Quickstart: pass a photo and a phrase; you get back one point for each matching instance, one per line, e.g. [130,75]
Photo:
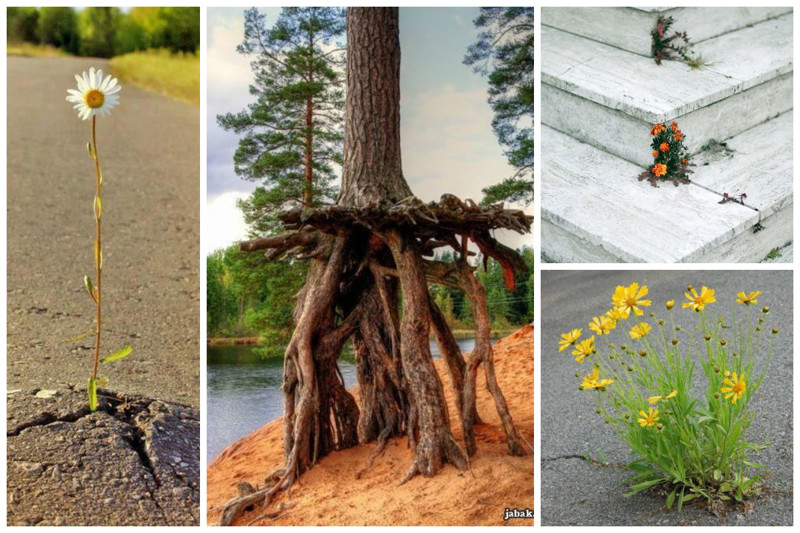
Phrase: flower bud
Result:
[670,304]
[707,336]
[716,395]
[627,416]
[660,322]
[723,342]
[652,315]
[630,368]
[598,411]
[677,328]
[765,310]
[674,342]
[774,331]
[642,353]
[659,426]
[758,329]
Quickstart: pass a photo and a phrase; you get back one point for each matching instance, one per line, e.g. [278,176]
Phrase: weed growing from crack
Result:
[95,96]
[695,446]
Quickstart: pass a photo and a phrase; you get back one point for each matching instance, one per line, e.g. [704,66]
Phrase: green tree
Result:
[22,24]
[291,136]
[504,52]
[58,26]
[182,32]
[97,28]
[130,36]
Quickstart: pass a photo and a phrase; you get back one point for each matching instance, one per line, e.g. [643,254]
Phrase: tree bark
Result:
[372,170]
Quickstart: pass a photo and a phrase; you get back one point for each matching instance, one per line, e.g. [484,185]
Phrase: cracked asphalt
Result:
[575,491]
[134,461]
[150,151]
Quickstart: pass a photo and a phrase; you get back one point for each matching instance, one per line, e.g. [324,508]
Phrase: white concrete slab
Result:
[629,137]
[760,165]
[636,86]
[629,28]
[596,197]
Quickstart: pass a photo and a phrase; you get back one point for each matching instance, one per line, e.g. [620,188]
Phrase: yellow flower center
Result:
[738,388]
[630,302]
[94,99]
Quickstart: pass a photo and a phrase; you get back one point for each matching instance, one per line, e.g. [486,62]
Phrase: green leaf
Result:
[671,498]
[725,487]
[641,486]
[92,389]
[119,354]
[753,465]
[76,338]
[717,474]
[90,287]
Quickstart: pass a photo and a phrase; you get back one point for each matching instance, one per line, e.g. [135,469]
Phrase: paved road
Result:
[577,492]
[149,149]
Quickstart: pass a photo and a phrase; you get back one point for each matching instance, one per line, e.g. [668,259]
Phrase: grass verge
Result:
[176,75]
[33,50]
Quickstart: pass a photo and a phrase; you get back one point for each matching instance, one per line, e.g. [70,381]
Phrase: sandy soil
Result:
[329,494]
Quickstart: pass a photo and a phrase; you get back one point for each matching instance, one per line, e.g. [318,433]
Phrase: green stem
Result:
[98,249]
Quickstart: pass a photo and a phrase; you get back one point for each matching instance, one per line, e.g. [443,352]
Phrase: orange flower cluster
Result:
[659,169]
[669,152]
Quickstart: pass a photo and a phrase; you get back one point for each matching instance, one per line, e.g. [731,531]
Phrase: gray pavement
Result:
[133,462]
[575,491]
[149,148]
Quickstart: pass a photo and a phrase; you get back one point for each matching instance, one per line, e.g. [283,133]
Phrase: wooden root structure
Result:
[366,261]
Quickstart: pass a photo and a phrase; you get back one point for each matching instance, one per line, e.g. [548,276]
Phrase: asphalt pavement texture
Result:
[133,462]
[149,150]
[577,491]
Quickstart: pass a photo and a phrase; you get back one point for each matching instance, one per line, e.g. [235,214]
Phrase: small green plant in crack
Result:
[95,96]
[775,253]
[693,446]
[670,162]
[674,45]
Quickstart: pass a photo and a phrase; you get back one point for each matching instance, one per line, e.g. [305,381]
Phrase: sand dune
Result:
[329,494]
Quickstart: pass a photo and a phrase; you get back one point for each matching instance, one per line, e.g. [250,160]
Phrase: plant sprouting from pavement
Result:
[96,96]
[644,387]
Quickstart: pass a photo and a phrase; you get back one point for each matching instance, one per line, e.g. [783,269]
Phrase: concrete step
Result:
[632,26]
[610,98]
[595,210]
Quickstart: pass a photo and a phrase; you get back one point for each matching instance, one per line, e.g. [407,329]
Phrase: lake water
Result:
[244,393]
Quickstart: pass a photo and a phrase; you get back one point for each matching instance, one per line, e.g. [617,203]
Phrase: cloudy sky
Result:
[447,141]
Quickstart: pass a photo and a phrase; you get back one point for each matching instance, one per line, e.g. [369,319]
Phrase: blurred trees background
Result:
[106,31]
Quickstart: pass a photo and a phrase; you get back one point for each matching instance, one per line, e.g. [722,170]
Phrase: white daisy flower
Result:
[95,95]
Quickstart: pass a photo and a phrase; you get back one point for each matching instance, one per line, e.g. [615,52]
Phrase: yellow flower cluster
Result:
[593,381]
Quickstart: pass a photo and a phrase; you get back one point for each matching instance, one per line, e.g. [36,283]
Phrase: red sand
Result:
[329,494]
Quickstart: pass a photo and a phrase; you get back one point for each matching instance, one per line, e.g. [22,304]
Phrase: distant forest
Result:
[106,31]
[250,296]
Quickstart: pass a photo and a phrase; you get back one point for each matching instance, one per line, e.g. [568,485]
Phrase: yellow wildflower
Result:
[584,349]
[698,301]
[648,419]
[747,299]
[734,388]
[568,339]
[639,331]
[593,381]
[627,299]
[671,395]
[655,399]
[602,325]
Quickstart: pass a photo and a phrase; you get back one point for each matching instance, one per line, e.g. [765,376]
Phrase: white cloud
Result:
[224,223]
[448,144]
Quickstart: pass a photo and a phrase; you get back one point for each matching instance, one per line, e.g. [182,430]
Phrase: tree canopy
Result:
[504,53]
[291,135]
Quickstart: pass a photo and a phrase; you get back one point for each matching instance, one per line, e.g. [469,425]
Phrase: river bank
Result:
[329,494]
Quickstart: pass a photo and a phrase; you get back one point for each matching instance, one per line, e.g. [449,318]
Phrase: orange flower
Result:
[655,153]
[674,126]
[658,128]
[664,147]
[684,161]
[659,169]
[678,135]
